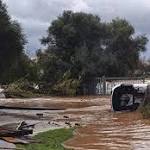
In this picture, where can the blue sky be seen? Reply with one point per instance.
(36, 15)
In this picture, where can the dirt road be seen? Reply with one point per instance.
(101, 129)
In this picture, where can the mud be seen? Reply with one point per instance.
(99, 128)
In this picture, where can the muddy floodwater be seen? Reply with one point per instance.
(98, 127)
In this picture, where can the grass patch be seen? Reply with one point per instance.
(51, 140)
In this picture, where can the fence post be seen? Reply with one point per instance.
(104, 85)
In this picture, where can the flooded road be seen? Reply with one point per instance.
(106, 130)
(101, 129)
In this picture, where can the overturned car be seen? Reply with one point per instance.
(129, 96)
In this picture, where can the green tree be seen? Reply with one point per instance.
(125, 46)
(73, 49)
(11, 46)
(73, 37)
(80, 46)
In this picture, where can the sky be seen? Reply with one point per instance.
(35, 16)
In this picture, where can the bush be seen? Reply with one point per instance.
(67, 87)
(20, 89)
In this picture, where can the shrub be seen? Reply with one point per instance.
(20, 89)
(67, 87)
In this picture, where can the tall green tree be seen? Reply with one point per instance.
(75, 39)
(80, 46)
(125, 46)
(12, 43)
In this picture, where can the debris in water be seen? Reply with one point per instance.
(77, 124)
(40, 115)
(68, 123)
(66, 117)
(53, 123)
(11, 134)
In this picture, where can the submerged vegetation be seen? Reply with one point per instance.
(51, 140)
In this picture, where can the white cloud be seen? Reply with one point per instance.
(79, 5)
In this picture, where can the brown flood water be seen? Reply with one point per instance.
(107, 130)
(101, 128)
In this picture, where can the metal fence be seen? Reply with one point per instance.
(104, 85)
